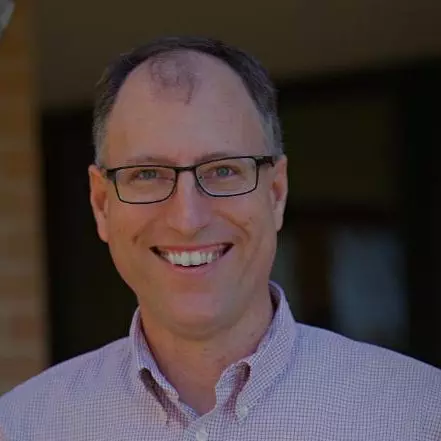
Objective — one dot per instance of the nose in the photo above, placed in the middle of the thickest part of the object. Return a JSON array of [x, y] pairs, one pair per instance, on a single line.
[[188, 208]]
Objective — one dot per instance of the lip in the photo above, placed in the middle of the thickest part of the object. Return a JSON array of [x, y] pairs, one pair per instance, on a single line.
[[194, 270], [190, 248]]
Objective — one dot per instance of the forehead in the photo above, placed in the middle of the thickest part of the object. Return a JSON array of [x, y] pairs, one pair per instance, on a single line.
[[181, 106]]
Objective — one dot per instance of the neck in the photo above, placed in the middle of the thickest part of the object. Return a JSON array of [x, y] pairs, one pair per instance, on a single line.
[[193, 366]]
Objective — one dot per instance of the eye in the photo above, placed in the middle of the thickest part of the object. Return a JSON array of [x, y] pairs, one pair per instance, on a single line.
[[146, 174], [223, 171]]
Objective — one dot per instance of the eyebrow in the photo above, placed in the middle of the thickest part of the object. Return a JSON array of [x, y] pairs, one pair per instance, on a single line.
[[164, 160]]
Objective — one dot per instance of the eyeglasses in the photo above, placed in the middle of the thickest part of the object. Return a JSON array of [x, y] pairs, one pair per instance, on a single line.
[[146, 184]]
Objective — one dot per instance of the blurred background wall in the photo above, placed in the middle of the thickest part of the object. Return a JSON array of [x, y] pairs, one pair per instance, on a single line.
[[359, 100]]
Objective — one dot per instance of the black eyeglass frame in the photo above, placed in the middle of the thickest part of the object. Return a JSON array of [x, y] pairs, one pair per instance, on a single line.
[[110, 173]]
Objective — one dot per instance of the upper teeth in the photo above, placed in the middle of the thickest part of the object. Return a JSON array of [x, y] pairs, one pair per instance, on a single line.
[[191, 258]]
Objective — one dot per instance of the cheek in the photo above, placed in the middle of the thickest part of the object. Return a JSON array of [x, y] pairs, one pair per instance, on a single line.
[[260, 214], [259, 245], [127, 222], [260, 223], [254, 217]]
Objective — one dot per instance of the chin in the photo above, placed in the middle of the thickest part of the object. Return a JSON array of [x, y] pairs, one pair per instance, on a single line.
[[200, 317]]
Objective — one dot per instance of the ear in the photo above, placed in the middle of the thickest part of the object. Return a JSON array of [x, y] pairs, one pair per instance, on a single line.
[[279, 190], [99, 200]]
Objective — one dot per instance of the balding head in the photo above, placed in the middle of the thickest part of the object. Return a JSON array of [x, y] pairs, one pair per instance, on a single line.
[[180, 102], [173, 74], [174, 65]]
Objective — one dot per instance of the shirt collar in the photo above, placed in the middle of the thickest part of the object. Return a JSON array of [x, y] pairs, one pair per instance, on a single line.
[[143, 359], [268, 362], [273, 353]]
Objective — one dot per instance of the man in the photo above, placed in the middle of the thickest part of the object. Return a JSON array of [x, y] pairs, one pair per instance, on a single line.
[[189, 190]]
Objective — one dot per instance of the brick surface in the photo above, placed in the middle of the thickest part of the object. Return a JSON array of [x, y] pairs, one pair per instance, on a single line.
[[23, 343], [25, 328], [18, 368]]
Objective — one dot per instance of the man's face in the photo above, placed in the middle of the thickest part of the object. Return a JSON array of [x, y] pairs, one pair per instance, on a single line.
[[148, 125]]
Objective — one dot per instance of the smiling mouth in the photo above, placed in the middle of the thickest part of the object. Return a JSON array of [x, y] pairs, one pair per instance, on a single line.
[[192, 258]]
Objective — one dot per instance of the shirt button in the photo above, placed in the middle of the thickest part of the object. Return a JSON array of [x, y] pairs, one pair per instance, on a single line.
[[242, 412], [163, 417], [202, 434]]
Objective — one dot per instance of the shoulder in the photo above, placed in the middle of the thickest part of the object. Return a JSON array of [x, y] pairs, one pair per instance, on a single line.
[[371, 375], [66, 383], [337, 351]]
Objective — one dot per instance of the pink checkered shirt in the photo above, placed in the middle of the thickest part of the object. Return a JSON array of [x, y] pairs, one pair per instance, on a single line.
[[303, 384]]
